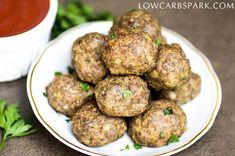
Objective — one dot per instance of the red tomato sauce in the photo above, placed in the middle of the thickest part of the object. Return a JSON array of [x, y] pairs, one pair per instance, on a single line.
[[18, 16]]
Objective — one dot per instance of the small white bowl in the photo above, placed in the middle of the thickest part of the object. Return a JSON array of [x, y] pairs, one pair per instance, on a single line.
[[56, 56], [18, 51]]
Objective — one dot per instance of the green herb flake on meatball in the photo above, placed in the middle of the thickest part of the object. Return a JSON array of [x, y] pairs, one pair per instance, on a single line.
[[172, 68], [94, 129], [86, 57], [168, 111], [126, 93], [84, 86], [174, 138], [65, 94], [131, 53], [114, 99], [154, 129]]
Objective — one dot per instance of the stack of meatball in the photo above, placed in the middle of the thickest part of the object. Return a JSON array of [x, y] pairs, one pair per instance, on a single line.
[[117, 80]]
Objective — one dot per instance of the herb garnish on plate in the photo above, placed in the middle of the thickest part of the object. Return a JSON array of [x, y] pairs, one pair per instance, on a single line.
[[11, 123]]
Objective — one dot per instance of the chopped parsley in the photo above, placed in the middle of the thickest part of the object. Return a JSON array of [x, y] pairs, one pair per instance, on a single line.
[[162, 135], [131, 28], [174, 138], [71, 70], [57, 73], [137, 147], [84, 86], [45, 94], [186, 78], [68, 120], [113, 35], [126, 93], [88, 60], [168, 111], [126, 148], [158, 42]]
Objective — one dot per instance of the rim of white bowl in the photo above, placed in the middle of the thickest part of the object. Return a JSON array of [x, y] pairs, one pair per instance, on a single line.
[[85, 151]]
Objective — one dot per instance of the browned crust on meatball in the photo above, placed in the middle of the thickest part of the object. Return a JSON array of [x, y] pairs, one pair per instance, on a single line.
[[94, 129], [66, 96], [130, 52], [153, 128], [172, 69], [138, 19], [185, 92], [122, 95], [86, 57]]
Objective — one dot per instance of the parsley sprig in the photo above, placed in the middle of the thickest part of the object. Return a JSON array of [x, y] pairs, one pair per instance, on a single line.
[[11, 123], [75, 12]]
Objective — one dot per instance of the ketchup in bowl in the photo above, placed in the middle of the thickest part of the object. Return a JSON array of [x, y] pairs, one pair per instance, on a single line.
[[18, 16]]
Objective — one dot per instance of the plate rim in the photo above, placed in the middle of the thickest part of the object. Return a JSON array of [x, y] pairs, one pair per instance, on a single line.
[[191, 141]]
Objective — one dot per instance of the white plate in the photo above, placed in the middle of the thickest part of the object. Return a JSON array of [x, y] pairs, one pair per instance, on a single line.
[[56, 56]]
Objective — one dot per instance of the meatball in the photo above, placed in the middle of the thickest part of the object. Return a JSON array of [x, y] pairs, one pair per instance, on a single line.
[[186, 92], [156, 127], [94, 129], [66, 94], [140, 19], [130, 52], [172, 69], [86, 57], [122, 95]]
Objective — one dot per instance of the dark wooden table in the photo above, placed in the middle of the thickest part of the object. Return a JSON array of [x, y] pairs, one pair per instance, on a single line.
[[211, 31]]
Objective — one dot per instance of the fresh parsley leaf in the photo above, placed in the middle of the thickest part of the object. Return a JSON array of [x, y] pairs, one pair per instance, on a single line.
[[126, 148], [158, 42], [168, 111], [71, 70], [57, 73], [113, 35], [73, 13], [84, 86], [186, 78], [68, 120], [174, 138], [45, 94], [11, 122], [141, 88], [162, 135], [126, 93], [137, 147]]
